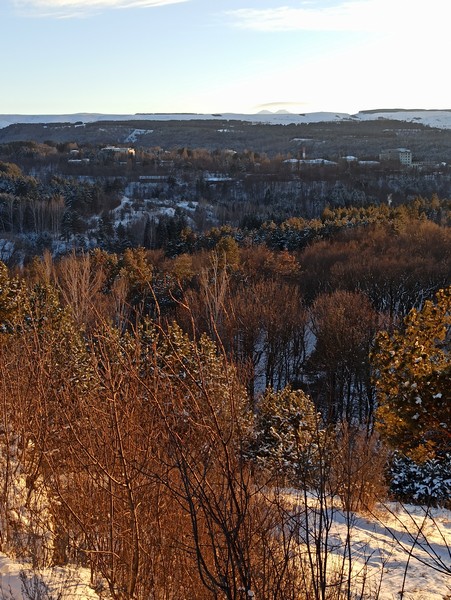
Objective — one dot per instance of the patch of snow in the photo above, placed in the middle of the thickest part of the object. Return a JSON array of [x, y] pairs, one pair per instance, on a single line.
[[65, 583], [191, 206], [134, 135]]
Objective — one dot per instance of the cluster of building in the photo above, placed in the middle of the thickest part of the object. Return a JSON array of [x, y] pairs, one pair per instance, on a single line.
[[400, 156], [115, 153]]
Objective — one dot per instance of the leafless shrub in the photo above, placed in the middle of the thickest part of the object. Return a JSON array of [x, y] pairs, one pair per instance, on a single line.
[[358, 461]]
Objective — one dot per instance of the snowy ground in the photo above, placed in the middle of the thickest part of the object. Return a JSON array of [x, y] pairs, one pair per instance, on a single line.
[[400, 552], [44, 584], [394, 543], [382, 544]]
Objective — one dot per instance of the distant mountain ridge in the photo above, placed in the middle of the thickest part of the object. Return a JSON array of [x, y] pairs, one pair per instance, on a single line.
[[440, 119], [391, 110]]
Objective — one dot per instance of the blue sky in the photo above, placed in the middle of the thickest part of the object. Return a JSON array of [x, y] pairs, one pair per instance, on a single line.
[[128, 56]]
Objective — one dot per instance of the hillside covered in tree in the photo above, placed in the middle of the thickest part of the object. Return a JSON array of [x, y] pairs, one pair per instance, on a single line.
[[187, 336]]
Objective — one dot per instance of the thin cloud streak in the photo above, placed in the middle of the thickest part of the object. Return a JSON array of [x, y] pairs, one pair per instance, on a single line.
[[351, 16], [281, 105], [79, 8]]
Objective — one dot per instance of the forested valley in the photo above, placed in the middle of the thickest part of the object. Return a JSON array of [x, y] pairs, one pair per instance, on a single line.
[[186, 397]]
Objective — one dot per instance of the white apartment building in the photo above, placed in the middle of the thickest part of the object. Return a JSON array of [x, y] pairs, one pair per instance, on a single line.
[[401, 155]]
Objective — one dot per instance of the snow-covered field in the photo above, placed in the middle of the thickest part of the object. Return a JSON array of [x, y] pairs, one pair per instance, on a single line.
[[433, 118], [398, 548]]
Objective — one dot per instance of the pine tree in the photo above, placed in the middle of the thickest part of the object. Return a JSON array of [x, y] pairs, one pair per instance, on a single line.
[[286, 430], [413, 384]]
